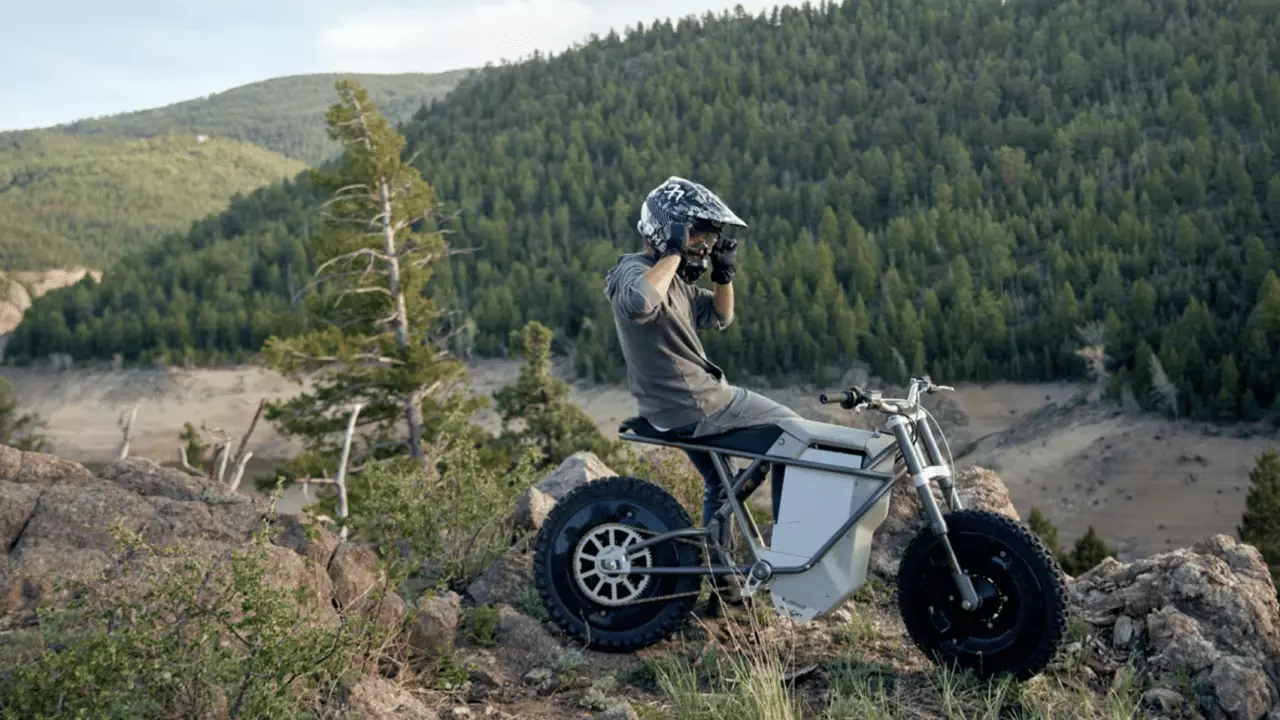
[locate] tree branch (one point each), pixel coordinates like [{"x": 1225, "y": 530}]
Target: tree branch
[
  {"x": 341, "y": 479},
  {"x": 244, "y": 441},
  {"x": 185, "y": 464},
  {"x": 240, "y": 466},
  {"x": 126, "y": 427}
]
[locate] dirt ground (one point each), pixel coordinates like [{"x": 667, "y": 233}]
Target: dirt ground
[{"x": 1145, "y": 483}]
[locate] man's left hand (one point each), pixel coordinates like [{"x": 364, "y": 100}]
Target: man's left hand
[{"x": 724, "y": 261}]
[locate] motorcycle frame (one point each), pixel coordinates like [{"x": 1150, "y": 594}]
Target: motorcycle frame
[{"x": 924, "y": 464}]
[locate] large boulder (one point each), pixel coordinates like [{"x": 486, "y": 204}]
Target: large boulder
[
  {"x": 1206, "y": 613},
  {"x": 577, "y": 469},
  {"x": 360, "y": 586},
  {"x": 433, "y": 626},
  {"x": 979, "y": 489},
  {"x": 524, "y": 643},
  {"x": 56, "y": 522},
  {"x": 36, "y": 468},
  {"x": 532, "y": 508},
  {"x": 56, "y": 517},
  {"x": 375, "y": 698},
  {"x": 505, "y": 580}
]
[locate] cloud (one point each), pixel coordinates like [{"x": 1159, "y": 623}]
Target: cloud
[{"x": 423, "y": 40}]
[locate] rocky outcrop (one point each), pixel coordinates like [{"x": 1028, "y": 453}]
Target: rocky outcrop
[
  {"x": 577, "y": 469},
  {"x": 979, "y": 489},
  {"x": 56, "y": 517},
  {"x": 1206, "y": 614}
]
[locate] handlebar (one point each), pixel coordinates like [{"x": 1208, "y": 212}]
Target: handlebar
[{"x": 855, "y": 397}]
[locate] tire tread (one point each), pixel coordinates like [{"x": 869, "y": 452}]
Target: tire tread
[
  {"x": 642, "y": 492},
  {"x": 1056, "y": 625}
]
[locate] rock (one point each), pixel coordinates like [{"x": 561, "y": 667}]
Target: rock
[
  {"x": 67, "y": 530},
  {"x": 16, "y": 503},
  {"x": 355, "y": 574},
  {"x": 459, "y": 712},
  {"x": 1242, "y": 687},
  {"x": 979, "y": 489},
  {"x": 504, "y": 581},
  {"x": 433, "y": 626},
  {"x": 1211, "y": 616},
  {"x": 532, "y": 508},
  {"x": 483, "y": 669},
  {"x": 537, "y": 676},
  {"x": 1162, "y": 700},
  {"x": 621, "y": 711},
  {"x": 151, "y": 480},
  {"x": 577, "y": 469},
  {"x": 303, "y": 535},
  {"x": 1122, "y": 633},
  {"x": 291, "y": 570},
  {"x": 523, "y": 643},
  {"x": 380, "y": 699},
  {"x": 17, "y": 466}
]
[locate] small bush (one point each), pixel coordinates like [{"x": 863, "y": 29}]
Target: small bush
[
  {"x": 481, "y": 625},
  {"x": 174, "y": 632},
  {"x": 450, "y": 519}
]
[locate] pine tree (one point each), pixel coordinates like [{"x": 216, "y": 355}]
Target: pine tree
[
  {"x": 1088, "y": 551},
  {"x": 17, "y": 429},
  {"x": 373, "y": 340},
  {"x": 1041, "y": 526},
  {"x": 536, "y": 409},
  {"x": 1260, "y": 524}
]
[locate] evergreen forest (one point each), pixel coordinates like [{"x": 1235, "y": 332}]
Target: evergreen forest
[{"x": 977, "y": 189}]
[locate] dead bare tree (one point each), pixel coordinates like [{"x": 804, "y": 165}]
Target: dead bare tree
[
  {"x": 1093, "y": 349},
  {"x": 126, "y": 428},
  {"x": 222, "y": 459},
  {"x": 340, "y": 480},
  {"x": 1166, "y": 391}
]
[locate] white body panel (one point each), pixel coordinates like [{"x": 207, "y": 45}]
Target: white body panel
[{"x": 815, "y": 503}]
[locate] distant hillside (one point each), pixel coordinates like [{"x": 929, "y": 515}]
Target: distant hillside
[
  {"x": 67, "y": 200},
  {"x": 973, "y": 188},
  {"x": 282, "y": 114}
]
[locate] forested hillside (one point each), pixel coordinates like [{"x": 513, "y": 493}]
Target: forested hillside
[
  {"x": 68, "y": 201},
  {"x": 283, "y": 114},
  {"x": 958, "y": 186}
]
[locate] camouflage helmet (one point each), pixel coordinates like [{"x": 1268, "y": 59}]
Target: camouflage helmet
[{"x": 680, "y": 200}]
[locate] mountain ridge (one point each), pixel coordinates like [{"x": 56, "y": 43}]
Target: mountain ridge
[
  {"x": 960, "y": 187},
  {"x": 284, "y": 114}
]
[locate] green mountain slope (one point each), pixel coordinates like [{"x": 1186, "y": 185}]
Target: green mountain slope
[
  {"x": 966, "y": 187},
  {"x": 282, "y": 114},
  {"x": 68, "y": 200}
]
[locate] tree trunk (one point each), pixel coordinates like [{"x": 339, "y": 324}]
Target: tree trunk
[{"x": 413, "y": 404}]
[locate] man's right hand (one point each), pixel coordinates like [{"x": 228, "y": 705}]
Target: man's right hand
[{"x": 677, "y": 236}]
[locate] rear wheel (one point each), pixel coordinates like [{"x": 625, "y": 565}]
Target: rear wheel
[
  {"x": 1021, "y": 620},
  {"x": 576, "y": 566}
]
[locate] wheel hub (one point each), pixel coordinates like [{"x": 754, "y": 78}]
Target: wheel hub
[{"x": 602, "y": 566}]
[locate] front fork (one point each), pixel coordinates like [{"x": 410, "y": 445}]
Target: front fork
[{"x": 921, "y": 474}]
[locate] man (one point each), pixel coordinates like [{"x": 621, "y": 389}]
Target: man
[{"x": 658, "y": 310}]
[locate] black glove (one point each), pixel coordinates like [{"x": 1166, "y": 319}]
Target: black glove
[
  {"x": 677, "y": 237},
  {"x": 724, "y": 261}
]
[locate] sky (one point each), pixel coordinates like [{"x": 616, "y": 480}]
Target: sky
[{"x": 65, "y": 60}]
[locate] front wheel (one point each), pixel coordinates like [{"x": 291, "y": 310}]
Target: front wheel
[
  {"x": 1022, "y": 617},
  {"x": 576, "y": 572}
]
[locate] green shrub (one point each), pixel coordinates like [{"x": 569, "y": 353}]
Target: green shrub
[{"x": 176, "y": 632}]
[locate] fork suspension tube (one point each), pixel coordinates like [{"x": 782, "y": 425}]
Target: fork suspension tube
[
  {"x": 899, "y": 426},
  {"x": 935, "y": 458}
]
